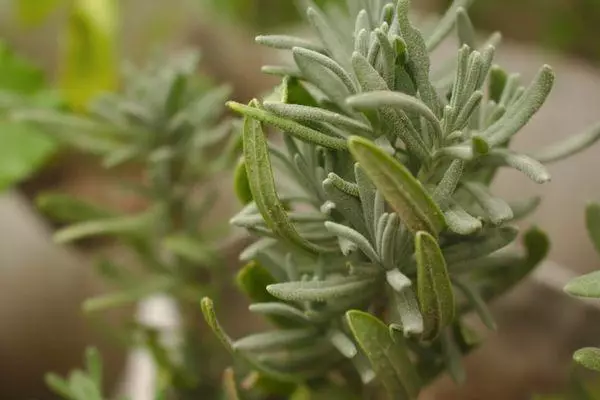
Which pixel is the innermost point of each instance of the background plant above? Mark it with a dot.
(165, 123)
(377, 230)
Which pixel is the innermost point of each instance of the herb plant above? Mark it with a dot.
(376, 228)
(165, 124)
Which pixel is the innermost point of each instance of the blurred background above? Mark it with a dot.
(62, 53)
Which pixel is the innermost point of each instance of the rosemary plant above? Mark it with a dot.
(377, 230)
(165, 123)
(588, 286)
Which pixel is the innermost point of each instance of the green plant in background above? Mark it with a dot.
(377, 231)
(81, 385)
(25, 148)
(167, 124)
(588, 286)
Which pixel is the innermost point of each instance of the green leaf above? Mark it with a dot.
(355, 237)
(533, 169)
(83, 388)
(295, 129)
(34, 12)
(389, 356)
(241, 183)
(65, 208)
(276, 340)
(294, 92)
(588, 357)
(489, 241)
(262, 185)
(434, 288)
(93, 362)
(592, 221)
(477, 303)
(330, 289)
(59, 386)
(445, 25)
(24, 150)
(496, 208)
(129, 295)
(407, 307)
(497, 83)
(568, 147)
(453, 358)
(585, 286)
(405, 194)
(208, 310)
(191, 249)
(253, 280)
(123, 225)
(284, 42)
(89, 54)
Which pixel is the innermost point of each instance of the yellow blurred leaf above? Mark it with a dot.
(89, 57)
(34, 12)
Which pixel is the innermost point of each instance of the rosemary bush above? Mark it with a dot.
(376, 228)
(165, 123)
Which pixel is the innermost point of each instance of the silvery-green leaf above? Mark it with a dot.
(361, 45)
(281, 70)
(477, 303)
(306, 362)
(348, 205)
(388, 241)
(276, 340)
(389, 356)
(362, 22)
(592, 220)
(342, 343)
(523, 208)
(489, 241)
(293, 128)
(279, 310)
(468, 109)
(445, 25)
(519, 114)
(453, 358)
(260, 245)
(366, 191)
(388, 57)
(568, 147)
(418, 58)
(461, 222)
(308, 114)
(191, 249)
(403, 192)
(445, 189)
(521, 162)
(464, 27)
(330, 289)
(377, 99)
(496, 208)
(355, 237)
(262, 185)
(368, 77)
(460, 152)
(321, 77)
(407, 308)
(329, 37)
(588, 357)
(93, 364)
(585, 286)
(287, 42)
(327, 63)
(436, 298)
(397, 280)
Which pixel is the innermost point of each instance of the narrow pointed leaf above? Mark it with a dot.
(262, 185)
(585, 286)
(403, 192)
(285, 42)
(453, 358)
(241, 183)
(355, 237)
(279, 310)
(191, 249)
(568, 147)
(496, 208)
(293, 128)
(389, 356)
(592, 221)
(487, 242)
(461, 222)
(477, 303)
(276, 340)
(229, 385)
(329, 289)
(445, 25)
(533, 169)
(436, 298)
(407, 308)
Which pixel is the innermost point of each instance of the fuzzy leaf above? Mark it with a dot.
(445, 189)
(293, 128)
(253, 279)
(284, 42)
(191, 249)
(497, 83)
(464, 27)
(589, 358)
(496, 208)
(404, 193)
(435, 294)
(585, 286)
(519, 114)
(276, 340)
(407, 308)
(330, 289)
(279, 310)
(461, 222)
(488, 242)
(262, 185)
(355, 237)
(445, 25)
(525, 164)
(389, 356)
(568, 147)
